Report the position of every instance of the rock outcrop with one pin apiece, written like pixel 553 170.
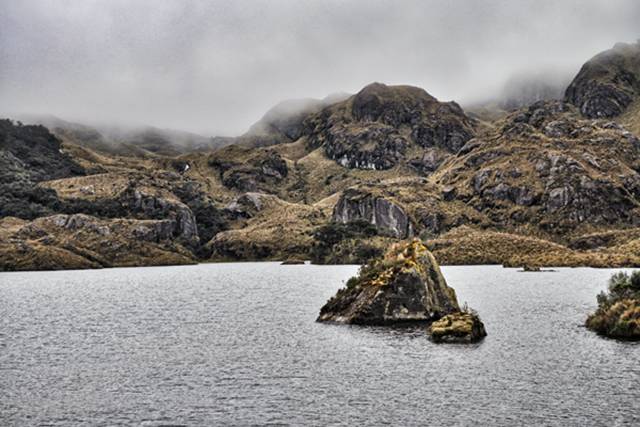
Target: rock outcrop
pixel 182 220
pixel 386 216
pixel 546 166
pixel 608 83
pixel 29 155
pixel 378 127
pixel 461 327
pixel 249 170
pixel 406 285
pixel 83 241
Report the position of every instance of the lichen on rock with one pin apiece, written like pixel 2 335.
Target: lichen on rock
pixel 406 285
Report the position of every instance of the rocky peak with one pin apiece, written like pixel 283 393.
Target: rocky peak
pixel 377 127
pixel 392 105
pixel 608 83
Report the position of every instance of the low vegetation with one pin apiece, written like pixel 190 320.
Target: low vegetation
pixel 618 313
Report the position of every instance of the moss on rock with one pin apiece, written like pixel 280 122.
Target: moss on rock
pixel 404 285
pixel 462 327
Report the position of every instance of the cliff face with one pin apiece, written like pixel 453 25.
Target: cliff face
pixel 608 83
pixel 385 215
pixel 405 285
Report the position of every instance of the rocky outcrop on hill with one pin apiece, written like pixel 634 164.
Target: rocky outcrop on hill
pixel 405 285
pixel 248 170
pixel 379 126
pixel 385 215
pixel 82 241
pixel 608 83
pixel 183 222
pixel 546 166
pixel 28 155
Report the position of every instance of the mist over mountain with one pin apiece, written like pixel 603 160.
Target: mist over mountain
pixel 215 67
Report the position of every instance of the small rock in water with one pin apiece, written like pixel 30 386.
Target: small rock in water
pixel 292 261
pixel 461 327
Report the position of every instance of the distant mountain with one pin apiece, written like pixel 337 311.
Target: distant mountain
pixel 127 140
pixel 608 83
pixel 524 89
pixel 520 90
pixel 284 122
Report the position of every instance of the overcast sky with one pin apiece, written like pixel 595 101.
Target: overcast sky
pixel 215 67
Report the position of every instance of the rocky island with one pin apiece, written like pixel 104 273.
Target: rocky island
pixel 405 285
pixel 618 313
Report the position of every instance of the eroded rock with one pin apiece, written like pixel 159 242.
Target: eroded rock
pixel 405 285
pixel 387 216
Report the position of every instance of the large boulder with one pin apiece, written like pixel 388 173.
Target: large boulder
pixel 406 285
pixel 386 216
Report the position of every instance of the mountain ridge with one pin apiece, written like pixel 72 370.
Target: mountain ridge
pixel 338 180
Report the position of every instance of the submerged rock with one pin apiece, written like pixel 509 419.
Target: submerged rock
pixel 462 327
pixel 405 285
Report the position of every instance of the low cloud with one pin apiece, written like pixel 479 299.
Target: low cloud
pixel 215 67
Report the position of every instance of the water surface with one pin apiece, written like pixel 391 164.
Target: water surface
pixel 236 344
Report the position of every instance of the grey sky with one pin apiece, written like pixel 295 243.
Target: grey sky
pixel 216 66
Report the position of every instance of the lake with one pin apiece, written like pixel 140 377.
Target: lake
pixel 237 344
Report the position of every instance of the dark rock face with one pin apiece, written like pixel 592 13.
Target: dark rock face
pixel 429 162
pixel 38 153
pixel 183 221
pixel 249 171
pixel 246 205
pixel 351 147
pixel 374 128
pixel 458 328
pixel 406 285
pixel 385 215
pixel 28 155
pixel 608 83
